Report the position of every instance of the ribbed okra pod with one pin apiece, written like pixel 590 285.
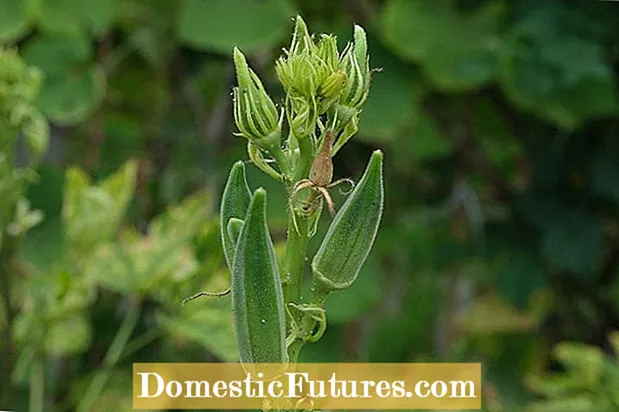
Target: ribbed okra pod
pixel 257 298
pixel 351 235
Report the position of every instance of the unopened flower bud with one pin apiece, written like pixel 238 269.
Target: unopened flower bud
pixel 327 52
pixel 255 114
pixel 355 63
pixel 302 116
pixel 330 90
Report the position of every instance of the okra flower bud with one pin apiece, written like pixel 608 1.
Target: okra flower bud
pixel 234 204
pixel 255 114
pixel 299 69
pixel 351 235
pixel 355 64
pixel 257 298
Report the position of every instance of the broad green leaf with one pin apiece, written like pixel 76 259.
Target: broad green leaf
pixel 220 25
pixel 68 336
pixel 147 264
pixel 72 17
pixel 491 314
pixel 574 242
pixel 541 75
pixel 605 173
pixel 394 98
pixel 72 86
pixel 92 213
pixel 517 276
pixel 423 143
pixel 359 298
pixel 456 50
pixel 14 19
pixel 120 185
pixel 207 322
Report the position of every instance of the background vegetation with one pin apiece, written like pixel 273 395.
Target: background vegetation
pixel 499 124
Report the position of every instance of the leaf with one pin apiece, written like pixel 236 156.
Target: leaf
pixel 73 17
pixel 220 25
pixel 518 276
pixel 574 242
pixel 541 75
pixel 490 314
pixel 605 173
pixel 394 96
pixel 359 298
pixel 147 265
pixel 207 321
pixel 68 336
pixel 92 213
pixel 14 19
pixel 72 86
pixel 456 51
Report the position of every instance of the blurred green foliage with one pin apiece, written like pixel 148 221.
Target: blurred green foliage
pixel 499 124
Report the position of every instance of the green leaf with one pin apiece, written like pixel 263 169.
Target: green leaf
pixel 68 336
pixel 147 265
pixel 73 86
pixel 518 275
pixel 92 213
pixel 574 242
pixel 72 17
pixel 541 75
pixel 456 51
pixel 394 97
pixel 14 19
pixel 605 173
pixel 220 25
pixel 210 325
pixel 357 299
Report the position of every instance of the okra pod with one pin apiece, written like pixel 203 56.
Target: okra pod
pixel 257 298
pixel 351 235
pixel 234 204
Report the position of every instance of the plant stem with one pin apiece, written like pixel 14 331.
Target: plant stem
pixel 281 160
pixel 294 263
pixel 111 358
pixel 308 323
pixel 306 149
pixel 37 384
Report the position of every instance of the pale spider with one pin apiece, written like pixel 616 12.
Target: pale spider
pixel 320 177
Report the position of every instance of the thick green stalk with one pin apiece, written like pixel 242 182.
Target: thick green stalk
pixel 294 263
pixel 308 323
pixel 306 149
pixel 297 236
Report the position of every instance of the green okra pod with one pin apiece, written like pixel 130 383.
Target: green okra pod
pixel 234 229
pixel 351 235
pixel 234 204
pixel 257 298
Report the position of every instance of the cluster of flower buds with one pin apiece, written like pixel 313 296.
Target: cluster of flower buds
pixel 318 80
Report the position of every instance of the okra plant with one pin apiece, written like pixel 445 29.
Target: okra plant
pixel 294 143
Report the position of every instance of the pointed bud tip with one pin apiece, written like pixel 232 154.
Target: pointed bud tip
pixel 260 194
pixel 238 167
